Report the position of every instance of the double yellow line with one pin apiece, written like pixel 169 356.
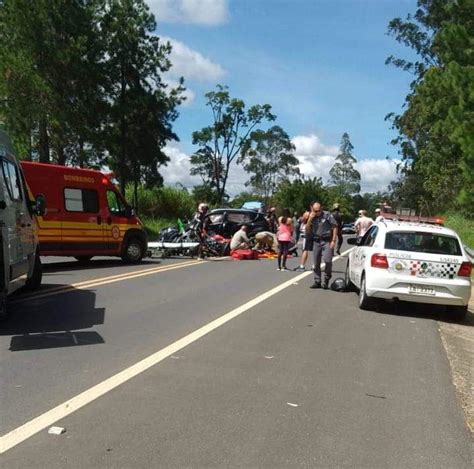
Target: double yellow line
pixel 103 281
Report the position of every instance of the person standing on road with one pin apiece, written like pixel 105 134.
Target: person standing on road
pixel 378 215
pixel 284 236
pixel 201 223
pixel 272 220
pixel 363 224
pixel 305 243
pixel 338 217
pixel 322 230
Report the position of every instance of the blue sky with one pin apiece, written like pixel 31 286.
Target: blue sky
pixel 320 64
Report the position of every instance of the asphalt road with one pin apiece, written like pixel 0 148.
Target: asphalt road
pixel 296 378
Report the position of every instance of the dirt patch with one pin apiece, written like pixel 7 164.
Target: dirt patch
pixel 458 340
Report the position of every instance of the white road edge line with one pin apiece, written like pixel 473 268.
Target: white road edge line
pixel 27 430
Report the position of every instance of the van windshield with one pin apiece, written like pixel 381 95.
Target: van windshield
pixel 431 243
pixel 115 203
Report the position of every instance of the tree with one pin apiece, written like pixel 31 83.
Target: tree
pixel 141 107
pixel 49 75
pixel 221 142
pixel 343 174
pixel 297 195
pixel 437 126
pixel 268 156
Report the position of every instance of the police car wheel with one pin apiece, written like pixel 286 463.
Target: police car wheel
pixel 133 251
pixel 365 302
pixel 457 313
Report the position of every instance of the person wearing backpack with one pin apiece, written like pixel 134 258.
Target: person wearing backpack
pixel 322 228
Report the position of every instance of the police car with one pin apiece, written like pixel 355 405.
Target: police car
pixel 409 261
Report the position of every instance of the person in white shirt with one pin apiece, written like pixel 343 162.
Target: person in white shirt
pixel 363 224
pixel 378 216
pixel 240 239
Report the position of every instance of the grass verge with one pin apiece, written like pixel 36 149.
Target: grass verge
pixel 154 225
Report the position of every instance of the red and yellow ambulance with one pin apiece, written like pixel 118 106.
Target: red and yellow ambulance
pixel 86 215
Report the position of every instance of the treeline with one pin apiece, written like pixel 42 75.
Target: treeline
pixel 81 83
pixel 436 128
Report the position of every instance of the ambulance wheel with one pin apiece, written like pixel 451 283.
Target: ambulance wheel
pixel 365 302
pixel 457 313
pixel 34 282
pixel 133 251
pixel 83 259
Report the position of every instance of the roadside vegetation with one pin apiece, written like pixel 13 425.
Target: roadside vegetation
pixel 463 226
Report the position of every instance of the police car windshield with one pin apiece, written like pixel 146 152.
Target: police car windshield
pixel 416 241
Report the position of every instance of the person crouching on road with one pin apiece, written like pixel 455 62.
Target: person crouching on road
pixel 322 228
pixel 240 239
pixel 284 236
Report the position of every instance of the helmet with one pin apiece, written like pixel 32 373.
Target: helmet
pixel 339 284
pixel 203 206
pixel 335 207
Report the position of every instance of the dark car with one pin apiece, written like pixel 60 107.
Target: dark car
pixel 348 228
pixel 226 221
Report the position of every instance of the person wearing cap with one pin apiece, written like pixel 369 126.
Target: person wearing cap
pixel 378 215
pixel 240 239
pixel 337 216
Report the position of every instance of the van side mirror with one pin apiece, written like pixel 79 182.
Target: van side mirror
pixel 40 205
pixel 353 241
pixel 129 212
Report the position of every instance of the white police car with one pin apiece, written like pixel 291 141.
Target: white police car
pixel 410 261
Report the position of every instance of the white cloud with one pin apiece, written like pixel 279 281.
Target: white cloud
pixel 177 170
pixel 191 64
pixel 203 12
pixel 317 158
pixel 376 174
pixel 309 145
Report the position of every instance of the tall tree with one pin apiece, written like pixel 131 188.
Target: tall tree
pixel 343 174
pixel 142 108
pixel 268 155
pixel 437 126
pixel 221 142
pixel 49 81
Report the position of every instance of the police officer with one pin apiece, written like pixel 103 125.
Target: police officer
pixel 322 228
pixel 337 216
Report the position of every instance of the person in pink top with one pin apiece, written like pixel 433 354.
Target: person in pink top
pixel 284 237
pixel 362 224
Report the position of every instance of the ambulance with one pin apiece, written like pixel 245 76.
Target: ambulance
pixel 86 215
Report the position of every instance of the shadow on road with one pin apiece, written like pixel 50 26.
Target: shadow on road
pixel 421 311
pixel 54 322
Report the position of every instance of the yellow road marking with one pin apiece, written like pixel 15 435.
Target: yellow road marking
pixel 104 281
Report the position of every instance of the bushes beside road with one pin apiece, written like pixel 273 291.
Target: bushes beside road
pixel 463 226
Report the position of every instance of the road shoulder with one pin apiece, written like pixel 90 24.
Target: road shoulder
pixel 458 340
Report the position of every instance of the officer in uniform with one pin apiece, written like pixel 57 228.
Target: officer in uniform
pixel 322 228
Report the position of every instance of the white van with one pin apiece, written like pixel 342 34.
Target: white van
pixel 20 263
